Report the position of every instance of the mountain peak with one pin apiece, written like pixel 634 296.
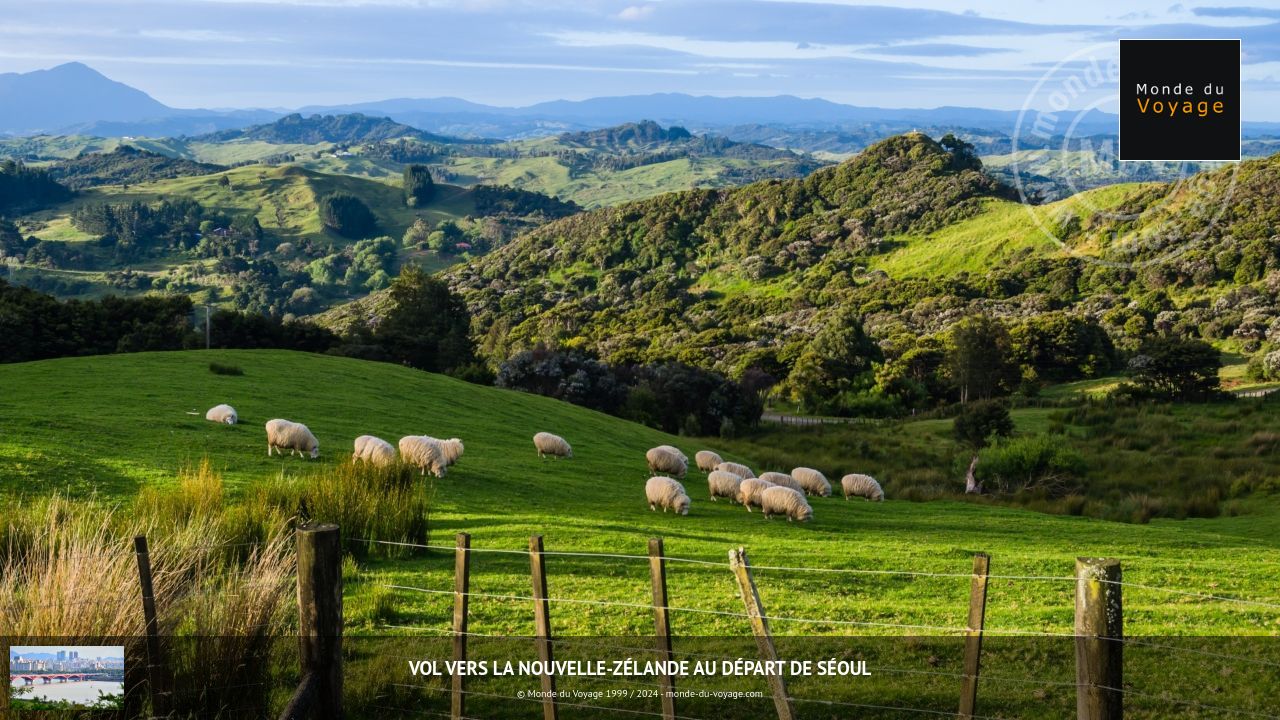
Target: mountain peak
pixel 70 94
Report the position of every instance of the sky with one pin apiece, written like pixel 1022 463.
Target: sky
pixel 903 53
pixel 88 651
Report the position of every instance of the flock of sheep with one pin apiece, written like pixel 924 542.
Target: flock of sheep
pixel 775 493
pixel 426 453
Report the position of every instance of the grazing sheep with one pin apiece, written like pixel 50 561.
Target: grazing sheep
pixel 749 492
pixel 295 437
pixel 662 459
pixel 452 450
pixel 677 451
pixel 783 479
pixel 707 460
pixel 222 414
pixel 813 482
pixel 373 450
pixel 785 501
pixel 552 445
pixel 424 453
pixel 668 494
pixel 863 486
pixel 738 469
pixel 723 484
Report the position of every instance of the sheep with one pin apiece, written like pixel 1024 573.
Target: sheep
pixel 552 445
pixel 783 479
pixel 863 486
pixel 785 501
pixel 676 451
pixel 452 450
pixel 373 450
pixel 707 460
pixel 222 414
pixel 424 453
pixel 723 484
pixel 738 469
pixel 666 493
pixel 813 482
pixel 663 459
pixel 295 437
pixel 749 491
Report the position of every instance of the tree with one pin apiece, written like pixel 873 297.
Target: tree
pixel 980 358
pixel 418 186
pixel 839 353
pixel 1174 368
pixel 427 326
pixel 974 427
pixel 347 215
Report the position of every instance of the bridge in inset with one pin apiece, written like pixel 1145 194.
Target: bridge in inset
pixel 50 678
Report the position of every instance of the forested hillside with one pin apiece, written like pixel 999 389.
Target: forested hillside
pixel 780 277
pixel 126 165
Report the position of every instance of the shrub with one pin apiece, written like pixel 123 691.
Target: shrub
pixel 1033 463
pixel 347 215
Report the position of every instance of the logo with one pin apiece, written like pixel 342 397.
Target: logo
pixel 1180 100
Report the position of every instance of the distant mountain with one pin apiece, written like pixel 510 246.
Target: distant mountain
pixel 348 128
pixel 628 135
pixel 67 95
pixel 188 122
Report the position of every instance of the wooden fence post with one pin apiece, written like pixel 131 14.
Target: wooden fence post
pixel 461 586
pixel 973 634
pixel 542 627
pixel 662 625
pixel 760 627
pixel 1099 640
pixel 320 620
pixel 157 687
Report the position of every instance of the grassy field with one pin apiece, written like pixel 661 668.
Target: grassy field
pixel 116 430
pixel 1003 229
pixel 106 427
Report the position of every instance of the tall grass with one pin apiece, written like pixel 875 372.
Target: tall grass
pixel 223 574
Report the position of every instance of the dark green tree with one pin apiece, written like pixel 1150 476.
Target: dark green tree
pixel 347 215
pixel 830 365
pixel 974 427
pixel 980 359
pixel 1174 368
pixel 418 186
pixel 427 326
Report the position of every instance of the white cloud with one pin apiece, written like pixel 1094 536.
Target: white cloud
pixel 635 12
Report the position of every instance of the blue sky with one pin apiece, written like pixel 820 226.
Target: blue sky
pixel 909 53
pixel 88 651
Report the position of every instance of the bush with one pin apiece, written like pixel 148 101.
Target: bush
pixel 347 215
pixel 1035 463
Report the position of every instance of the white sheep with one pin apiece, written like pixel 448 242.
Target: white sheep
pixel 222 414
pixel 424 453
pixel 295 437
pixel 452 450
pixel 785 501
pixel 707 460
pixel 553 445
pixel 677 451
pixel 666 459
pixel 783 479
pixel 863 486
pixel 723 484
pixel 373 450
pixel 749 491
pixel 813 482
pixel 738 469
pixel 666 493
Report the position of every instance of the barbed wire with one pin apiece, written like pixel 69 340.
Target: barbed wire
pixel 560 553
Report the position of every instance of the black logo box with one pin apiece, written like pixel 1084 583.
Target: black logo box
pixel 1180 65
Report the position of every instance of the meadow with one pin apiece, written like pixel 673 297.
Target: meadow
pixel 123 437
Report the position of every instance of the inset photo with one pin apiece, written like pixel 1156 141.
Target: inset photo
pixel 66 677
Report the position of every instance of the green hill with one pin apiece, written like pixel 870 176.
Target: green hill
pixel 125 165
pixel 109 425
pixel 348 128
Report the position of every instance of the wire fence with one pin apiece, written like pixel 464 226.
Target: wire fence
pixel 825 626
